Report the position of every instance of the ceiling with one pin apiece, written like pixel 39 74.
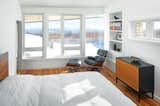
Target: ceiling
pixel 65 3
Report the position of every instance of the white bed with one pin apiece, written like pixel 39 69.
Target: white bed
pixel 75 89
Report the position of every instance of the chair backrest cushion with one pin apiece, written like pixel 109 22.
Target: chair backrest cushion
pixel 102 52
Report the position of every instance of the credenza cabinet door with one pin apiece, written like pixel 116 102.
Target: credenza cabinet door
pixel 128 74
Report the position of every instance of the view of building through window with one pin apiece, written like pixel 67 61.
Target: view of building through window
pixel 68 44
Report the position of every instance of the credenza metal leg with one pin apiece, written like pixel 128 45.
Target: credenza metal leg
pixel 152 94
pixel 139 97
pixel 116 80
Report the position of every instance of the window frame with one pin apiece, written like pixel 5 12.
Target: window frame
pixel 24 49
pixel 45 37
pixel 149 30
pixel 47 33
pixel 134 29
pixel 92 17
pixel 152 29
pixel 72 48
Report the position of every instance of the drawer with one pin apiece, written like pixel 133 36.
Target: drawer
pixel 128 74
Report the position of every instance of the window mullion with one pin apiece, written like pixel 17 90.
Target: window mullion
pixel 149 29
pixel 45 35
pixel 23 37
pixel 62 35
pixel 83 36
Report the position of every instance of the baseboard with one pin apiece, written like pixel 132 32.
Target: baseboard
pixel 157 98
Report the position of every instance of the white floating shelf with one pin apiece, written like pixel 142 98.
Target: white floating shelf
pixel 116 41
pixel 118 20
pixel 118 31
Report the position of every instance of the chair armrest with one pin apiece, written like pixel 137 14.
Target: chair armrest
pixel 90 62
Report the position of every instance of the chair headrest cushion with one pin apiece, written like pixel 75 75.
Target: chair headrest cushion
pixel 102 52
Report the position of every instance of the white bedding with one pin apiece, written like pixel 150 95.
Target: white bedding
pixel 75 89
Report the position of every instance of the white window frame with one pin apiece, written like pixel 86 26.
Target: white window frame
pixel 95 16
pixel 33 48
pixel 152 29
pixel 149 30
pixel 47 33
pixel 134 30
pixel 45 37
pixel 72 48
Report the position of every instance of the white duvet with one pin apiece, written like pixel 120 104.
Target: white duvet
pixel 75 89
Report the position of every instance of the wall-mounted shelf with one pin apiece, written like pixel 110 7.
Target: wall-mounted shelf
pixel 118 20
pixel 116 31
pixel 115 39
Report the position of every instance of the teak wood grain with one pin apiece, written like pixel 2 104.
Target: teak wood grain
pixel 3 66
pixel 144 101
pixel 128 74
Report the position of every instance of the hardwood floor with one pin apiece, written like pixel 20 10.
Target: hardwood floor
pixel 49 71
pixel 145 100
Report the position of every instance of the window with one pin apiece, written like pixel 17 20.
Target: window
pixel 72 34
pixel 72 52
pixel 148 30
pixel 94 34
pixel 33 36
pixel 61 36
pixel 54 37
pixel 156 29
pixel 140 29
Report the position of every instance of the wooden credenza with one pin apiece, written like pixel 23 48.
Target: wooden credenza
pixel 139 76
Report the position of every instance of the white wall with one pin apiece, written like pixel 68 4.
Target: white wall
pixel 54 10
pixel 44 63
pixel 140 9
pixel 9 13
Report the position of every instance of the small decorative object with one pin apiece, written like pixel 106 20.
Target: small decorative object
pixel 118 36
pixel 116 18
pixel 118 49
pixel 116 26
pixel 135 60
pixel 115 47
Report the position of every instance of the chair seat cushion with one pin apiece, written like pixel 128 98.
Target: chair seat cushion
pixel 99 58
pixel 90 62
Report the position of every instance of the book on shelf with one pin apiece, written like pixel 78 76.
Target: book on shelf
pixel 116 26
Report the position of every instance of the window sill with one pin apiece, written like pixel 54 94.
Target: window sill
pixel 152 41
